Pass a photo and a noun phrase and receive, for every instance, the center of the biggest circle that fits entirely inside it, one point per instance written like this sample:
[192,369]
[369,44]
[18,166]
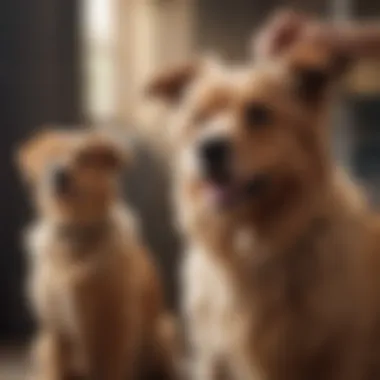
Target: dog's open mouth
[231,193]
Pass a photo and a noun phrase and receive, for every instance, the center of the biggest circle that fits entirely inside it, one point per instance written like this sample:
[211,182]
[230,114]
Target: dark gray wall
[39,83]
[148,190]
[365,158]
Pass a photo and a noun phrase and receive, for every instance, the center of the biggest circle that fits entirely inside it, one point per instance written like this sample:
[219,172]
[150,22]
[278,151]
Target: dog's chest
[211,303]
[59,290]
[65,289]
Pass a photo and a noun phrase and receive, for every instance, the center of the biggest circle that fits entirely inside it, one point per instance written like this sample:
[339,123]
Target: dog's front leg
[108,350]
[49,357]
[111,363]
[208,367]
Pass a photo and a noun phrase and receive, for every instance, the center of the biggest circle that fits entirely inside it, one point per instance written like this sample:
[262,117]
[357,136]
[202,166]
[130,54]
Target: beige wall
[152,34]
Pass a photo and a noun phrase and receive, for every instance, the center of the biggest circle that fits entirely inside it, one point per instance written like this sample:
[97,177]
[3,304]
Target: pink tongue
[219,195]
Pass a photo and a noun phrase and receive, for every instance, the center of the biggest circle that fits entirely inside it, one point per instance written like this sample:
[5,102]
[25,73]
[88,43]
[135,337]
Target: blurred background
[80,61]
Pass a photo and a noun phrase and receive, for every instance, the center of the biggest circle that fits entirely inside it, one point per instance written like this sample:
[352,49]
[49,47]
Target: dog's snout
[215,152]
[60,179]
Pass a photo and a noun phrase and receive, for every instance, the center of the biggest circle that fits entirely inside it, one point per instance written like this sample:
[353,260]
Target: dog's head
[73,176]
[249,138]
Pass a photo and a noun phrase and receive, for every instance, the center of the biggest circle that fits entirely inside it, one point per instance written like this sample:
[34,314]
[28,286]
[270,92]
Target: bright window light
[99,58]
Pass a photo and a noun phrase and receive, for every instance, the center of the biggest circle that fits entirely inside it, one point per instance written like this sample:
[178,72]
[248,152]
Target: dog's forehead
[56,146]
[94,142]
[239,83]
[261,81]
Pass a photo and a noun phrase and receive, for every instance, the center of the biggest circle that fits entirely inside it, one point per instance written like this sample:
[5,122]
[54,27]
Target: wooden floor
[13,363]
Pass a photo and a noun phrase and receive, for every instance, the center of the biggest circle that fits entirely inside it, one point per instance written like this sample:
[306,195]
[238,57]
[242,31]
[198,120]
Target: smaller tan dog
[93,286]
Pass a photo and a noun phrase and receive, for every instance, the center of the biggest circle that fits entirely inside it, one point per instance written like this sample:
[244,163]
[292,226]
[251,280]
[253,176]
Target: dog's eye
[257,115]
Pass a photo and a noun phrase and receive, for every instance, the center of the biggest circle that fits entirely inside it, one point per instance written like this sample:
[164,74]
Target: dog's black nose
[215,154]
[215,151]
[60,179]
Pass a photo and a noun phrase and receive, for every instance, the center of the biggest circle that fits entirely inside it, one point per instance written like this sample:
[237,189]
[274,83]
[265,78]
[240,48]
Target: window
[124,41]
[100,49]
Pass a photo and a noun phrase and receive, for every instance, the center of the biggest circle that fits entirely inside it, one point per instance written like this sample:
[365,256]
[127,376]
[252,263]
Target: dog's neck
[337,200]
[292,220]
[81,236]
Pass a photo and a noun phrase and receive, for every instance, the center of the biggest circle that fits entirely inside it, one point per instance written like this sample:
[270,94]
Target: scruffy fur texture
[282,283]
[92,284]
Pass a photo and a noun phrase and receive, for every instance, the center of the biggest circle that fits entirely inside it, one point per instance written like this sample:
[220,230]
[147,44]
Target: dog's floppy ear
[314,64]
[278,34]
[170,84]
[32,154]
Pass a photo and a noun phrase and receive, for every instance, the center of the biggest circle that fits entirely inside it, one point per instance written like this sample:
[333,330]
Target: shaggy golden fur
[281,276]
[93,286]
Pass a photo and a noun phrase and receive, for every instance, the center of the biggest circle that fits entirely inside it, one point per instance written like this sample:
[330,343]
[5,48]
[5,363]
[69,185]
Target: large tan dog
[282,270]
[93,286]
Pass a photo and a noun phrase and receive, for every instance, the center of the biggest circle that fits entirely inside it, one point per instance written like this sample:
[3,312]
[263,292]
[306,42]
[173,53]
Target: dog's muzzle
[215,157]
